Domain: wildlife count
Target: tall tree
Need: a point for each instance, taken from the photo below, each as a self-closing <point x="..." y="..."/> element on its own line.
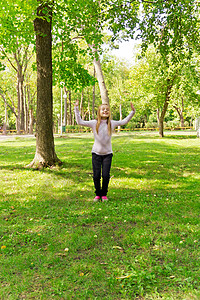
<point x="45" y="151"/>
<point x="87" y="19"/>
<point x="185" y="92"/>
<point x="173" y="28"/>
<point x="158" y="85"/>
<point x="15" y="48"/>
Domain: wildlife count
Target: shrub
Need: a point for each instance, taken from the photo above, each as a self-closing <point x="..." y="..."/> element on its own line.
<point x="151" y="125"/>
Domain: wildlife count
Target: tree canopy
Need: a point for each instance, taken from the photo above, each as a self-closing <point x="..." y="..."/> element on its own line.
<point x="79" y="27"/>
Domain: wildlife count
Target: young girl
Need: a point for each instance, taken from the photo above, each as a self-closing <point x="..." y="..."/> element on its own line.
<point x="102" y="150"/>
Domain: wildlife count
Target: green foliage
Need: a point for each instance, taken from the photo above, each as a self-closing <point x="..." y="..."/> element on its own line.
<point x="76" y="128"/>
<point x="8" y="84"/>
<point x="172" y="26"/>
<point x="71" y="73"/>
<point x="72" y="33"/>
<point x="187" y="85"/>
<point x="151" y="76"/>
<point x="2" y="67"/>
<point x="16" y="19"/>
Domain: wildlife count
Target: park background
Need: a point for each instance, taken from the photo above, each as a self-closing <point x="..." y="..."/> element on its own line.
<point x="163" y="74"/>
<point x="55" y="242"/>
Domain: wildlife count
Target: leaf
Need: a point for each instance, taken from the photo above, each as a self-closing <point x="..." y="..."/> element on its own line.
<point x="123" y="277"/>
<point x="117" y="247"/>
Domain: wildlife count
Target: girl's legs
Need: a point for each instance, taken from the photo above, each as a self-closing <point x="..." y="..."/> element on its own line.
<point x="106" y="165"/>
<point x="101" y="162"/>
<point x="96" y="163"/>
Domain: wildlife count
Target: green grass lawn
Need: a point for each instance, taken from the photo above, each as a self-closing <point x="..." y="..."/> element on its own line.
<point x="142" y="244"/>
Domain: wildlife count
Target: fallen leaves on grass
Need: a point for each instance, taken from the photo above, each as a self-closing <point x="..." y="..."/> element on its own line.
<point x="125" y="276"/>
<point x="119" y="248"/>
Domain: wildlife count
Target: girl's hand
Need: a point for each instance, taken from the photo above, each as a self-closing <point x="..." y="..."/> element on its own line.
<point x="132" y="107"/>
<point x="76" y="103"/>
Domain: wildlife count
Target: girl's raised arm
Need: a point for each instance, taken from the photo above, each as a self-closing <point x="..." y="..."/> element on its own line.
<point x="132" y="107"/>
<point x="125" y="120"/>
<point x="79" y="120"/>
<point x="76" y="103"/>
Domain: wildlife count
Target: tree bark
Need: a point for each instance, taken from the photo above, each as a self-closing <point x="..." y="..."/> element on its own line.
<point x="20" y="91"/>
<point x="100" y="77"/>
<point x="26" y="105"/>
<point x="81" y="106"/>
<point x="88" y="94"/>
<point x="93" y="96"/>
<point x="102" y="85"/>
<point x="18" y="109"/>
<point x="70" y="108"/>
<point x="65" y="107"/>
<point x="45" y="155"/>
<point x="166" y="103"/>
<point x="12" y="108"/>
<point x="31" y="121"/>
<point x="5" y="121"/>
<point x="180" y="112"/>
<point x="158" y="115"/>
<point x="161" y="127"/>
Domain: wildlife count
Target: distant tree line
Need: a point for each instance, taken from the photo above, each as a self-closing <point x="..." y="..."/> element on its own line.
<point x="46" y="46"/>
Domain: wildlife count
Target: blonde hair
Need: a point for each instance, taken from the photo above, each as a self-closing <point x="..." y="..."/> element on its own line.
<point x="99" y="119"/>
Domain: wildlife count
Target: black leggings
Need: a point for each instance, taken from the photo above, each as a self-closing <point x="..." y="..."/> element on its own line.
<point x="101" y="162"/>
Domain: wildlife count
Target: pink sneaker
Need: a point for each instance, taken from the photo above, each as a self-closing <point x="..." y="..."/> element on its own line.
<point x="96" y="199"/>
<point x="104" y="198"/>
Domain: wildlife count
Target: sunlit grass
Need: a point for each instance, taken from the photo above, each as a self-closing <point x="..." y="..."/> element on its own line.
<point x="143" y="244"/>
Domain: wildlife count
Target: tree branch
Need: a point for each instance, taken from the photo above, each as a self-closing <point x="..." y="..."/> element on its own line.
<point x="8" y="58"/>
<point x="77" y="38"/>
<point x="5" y="101"/>
<point x="151" y="2"/>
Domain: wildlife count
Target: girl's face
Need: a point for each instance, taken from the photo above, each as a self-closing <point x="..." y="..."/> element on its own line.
<point x="104" y="112"/>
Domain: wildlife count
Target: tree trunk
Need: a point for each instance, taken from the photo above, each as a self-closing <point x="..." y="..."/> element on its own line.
<point x="31" y="121"/>
<point x="162" y="116"/>
<point x="65" y="108"/>
<point x="20" y="93"/>
<point x="180" y="113"/>
<point x="100" y="77"/>
<point x="45" y="150"/>
<point x="102" y="85"/>
<point x="22" y="114"/>
<point x="158" y="115"/>
<point x="120" y="114"/>
<point x="81" y="106"/>
<point x="182" y="117"/>
<point x="18" y="109"/>
<point x="70" y="108"/>
<point x="93" y="97"/>
<point x="182" y="120"/>
<point x="161" y="127"/>
<point x="88" y="94"/>
<point x="5" y="121"/>
<point x="12" y="108"/>
<point x="31" y="110"/>
<point x="26" y="105"/>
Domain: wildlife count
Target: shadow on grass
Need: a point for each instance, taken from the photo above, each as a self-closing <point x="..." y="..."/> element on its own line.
<point x="158" y="166"/>
<point x="150" y="161"/>
<point x="147" y="230"/>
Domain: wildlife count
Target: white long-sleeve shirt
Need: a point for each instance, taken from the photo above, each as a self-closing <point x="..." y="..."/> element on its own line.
<point x="102" y="139"/>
